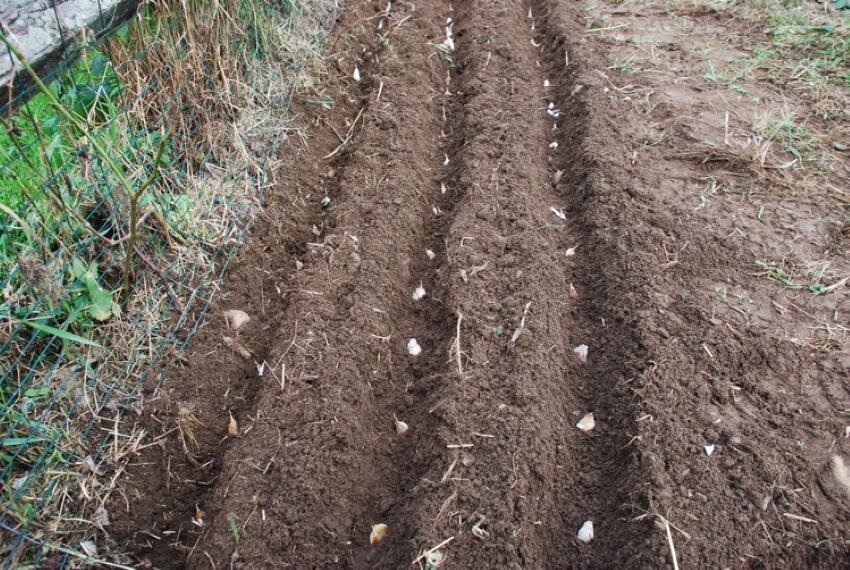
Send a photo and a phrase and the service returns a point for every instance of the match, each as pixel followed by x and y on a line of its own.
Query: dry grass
pixel 217 79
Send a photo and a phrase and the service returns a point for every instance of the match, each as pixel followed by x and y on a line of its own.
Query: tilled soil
pixel 496 177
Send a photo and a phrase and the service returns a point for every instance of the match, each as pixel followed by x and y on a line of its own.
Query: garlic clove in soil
pixel 431 255
pixel 232 427
pixel 709 449
pixel 401 427
pixel 413 347
pixel 586 423
pixel 379 531
pixel 434 558
pixel 585 533
pixel 236 318
pixel 419 293
pixel 356 75
pixel 581 352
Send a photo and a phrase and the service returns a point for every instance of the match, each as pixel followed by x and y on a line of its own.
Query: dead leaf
pixel 89 464
pixel 89 547
pixel 100 517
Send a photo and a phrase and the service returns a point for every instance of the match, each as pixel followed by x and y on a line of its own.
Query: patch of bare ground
pixel 738 236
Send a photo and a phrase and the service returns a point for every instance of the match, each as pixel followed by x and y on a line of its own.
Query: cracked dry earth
pixel 491 171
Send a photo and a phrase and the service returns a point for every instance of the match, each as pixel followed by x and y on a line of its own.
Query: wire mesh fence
pixel 129 172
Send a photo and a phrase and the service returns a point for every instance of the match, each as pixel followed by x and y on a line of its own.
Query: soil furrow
pixel 510 277
pixel 332 446
pixel 504 414
pixel 163 501
pixel 610 485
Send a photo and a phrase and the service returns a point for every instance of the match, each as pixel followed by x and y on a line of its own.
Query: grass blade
pixel 63 334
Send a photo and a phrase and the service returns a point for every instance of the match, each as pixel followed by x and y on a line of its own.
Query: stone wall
pixel 47 30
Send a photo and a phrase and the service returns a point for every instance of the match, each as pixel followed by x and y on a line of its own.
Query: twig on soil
pixel 86 558
pixel 444 506
pixel 667 525
pixel 799 518
pixel 521 326
pixel 591 30
pixel 627 90
pixel 457 346
pixel 401 23
pixel 427 552
pixel 347 137
pixel 670 542
pixel 835 285
pixel 448 472
pixel 175 301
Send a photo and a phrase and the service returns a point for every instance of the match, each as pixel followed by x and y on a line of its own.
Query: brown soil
pixel 493 462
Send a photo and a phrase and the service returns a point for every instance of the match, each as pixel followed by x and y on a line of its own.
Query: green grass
pixel 778 273
pixel 38 138
pixel 803 49
pixel 812 53
pixel 801 46
pixel 38 162
pixel 792 136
